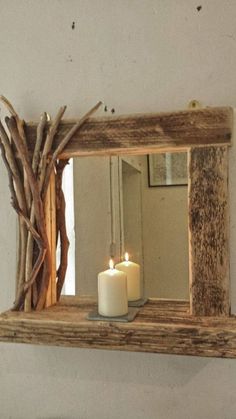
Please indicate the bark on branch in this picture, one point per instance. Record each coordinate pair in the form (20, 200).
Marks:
(28, 178)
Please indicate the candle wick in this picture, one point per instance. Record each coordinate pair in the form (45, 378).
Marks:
(126, 257)
(111, 264)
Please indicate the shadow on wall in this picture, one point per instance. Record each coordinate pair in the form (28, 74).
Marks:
(153, 370)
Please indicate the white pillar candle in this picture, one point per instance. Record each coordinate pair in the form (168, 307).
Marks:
(112, 292)
(133, 277)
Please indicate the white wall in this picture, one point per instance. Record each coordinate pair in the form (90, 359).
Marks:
(138, 56)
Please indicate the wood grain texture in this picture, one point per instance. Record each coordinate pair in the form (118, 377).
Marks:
(48, 223)
(50, 219)
(162, 326)
(145, 133)
(209, 231)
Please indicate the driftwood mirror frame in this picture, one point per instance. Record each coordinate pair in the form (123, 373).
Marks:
(203, 327)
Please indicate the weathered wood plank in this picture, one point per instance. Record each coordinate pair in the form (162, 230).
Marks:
(145, 133)
(209, 231)
(153, 330)
(50, 218)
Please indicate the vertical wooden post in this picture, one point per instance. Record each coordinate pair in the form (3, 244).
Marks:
(209, 231)
(50, 216)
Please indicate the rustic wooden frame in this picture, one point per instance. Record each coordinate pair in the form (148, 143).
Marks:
(205, 327)
(162, 326)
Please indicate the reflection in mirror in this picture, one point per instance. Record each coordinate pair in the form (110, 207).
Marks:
(134, 204)
(68, 189)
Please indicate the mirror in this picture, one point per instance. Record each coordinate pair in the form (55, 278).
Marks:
(134, 204)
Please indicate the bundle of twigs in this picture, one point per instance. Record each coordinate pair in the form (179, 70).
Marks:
(29, 178)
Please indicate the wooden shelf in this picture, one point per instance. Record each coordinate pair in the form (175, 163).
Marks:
(162, 326)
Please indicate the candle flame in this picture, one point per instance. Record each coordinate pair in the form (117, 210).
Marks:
(126, 256)
(111, 264)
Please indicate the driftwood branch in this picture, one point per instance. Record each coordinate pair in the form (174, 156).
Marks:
(28, 178)
(38, 144)
(30, 239)
(42, 252)
(61, 227)
(14, 168)
(20, 125)
(18, 190)
(14, 201)
(48, 146)
(37, 202)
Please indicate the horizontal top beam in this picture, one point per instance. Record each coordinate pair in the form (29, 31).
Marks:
(145, 133)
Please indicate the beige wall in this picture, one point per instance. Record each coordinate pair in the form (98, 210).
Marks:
(92, 221)
(165, 239)
(93, 231)
(138, 56)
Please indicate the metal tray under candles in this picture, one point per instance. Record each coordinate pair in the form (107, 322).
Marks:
(138, 303)
(129, 317)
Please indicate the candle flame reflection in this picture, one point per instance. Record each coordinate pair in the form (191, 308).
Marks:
(111, 264)
(126, 256)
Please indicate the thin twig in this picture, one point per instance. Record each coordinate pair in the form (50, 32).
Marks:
(63, 144)
(48, 145)
(38, 144)
(8, 105)
(10, 176)
(14, 168)
(20, 126)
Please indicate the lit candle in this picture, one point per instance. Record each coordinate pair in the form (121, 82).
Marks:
(133, 277)
(112, 292)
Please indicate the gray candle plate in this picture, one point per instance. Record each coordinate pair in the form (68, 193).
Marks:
(138, 303)
(94, 315)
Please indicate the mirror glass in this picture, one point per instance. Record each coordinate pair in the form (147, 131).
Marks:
(135, 204)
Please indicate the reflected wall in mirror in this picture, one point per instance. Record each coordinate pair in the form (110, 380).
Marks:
(167, 169)
(115, 210)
